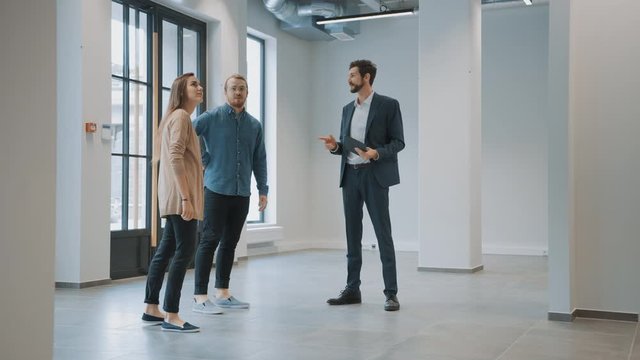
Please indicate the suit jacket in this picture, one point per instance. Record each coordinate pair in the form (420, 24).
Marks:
(383, 132)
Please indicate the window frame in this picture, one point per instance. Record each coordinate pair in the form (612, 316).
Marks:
(155, 15)
(263, 122)
(125, 155)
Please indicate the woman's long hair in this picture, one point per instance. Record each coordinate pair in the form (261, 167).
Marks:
(177, 99)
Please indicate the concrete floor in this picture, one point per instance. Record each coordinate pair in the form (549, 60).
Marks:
(498, 313)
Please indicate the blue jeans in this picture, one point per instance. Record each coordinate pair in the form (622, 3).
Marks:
(178, 241)
(224, 217)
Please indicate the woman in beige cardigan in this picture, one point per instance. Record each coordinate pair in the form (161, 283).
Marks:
(180, 200)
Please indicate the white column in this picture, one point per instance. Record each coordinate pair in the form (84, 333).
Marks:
(83, 181)
(561, 257)
(27, 177)
(449, 133)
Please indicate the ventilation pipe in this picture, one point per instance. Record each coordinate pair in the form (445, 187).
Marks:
(286, 11)
(299, 20)
(323, 9)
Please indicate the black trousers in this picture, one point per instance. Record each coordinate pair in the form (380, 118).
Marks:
(178, 241)
(360, 187)
(224, 217)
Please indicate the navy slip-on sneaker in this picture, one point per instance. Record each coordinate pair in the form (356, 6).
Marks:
(186, 328)
(150, 319)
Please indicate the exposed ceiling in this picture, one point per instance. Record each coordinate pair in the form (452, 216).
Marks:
(298, 16)
(366, 6)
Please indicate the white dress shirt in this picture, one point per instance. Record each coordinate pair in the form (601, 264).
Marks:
(359, 126)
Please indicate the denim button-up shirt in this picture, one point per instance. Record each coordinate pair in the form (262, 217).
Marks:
(234, 147)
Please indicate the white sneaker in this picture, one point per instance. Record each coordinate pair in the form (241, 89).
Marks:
(206, 307)
(231, 303)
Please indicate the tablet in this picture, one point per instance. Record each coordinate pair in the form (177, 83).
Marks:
(351, 144)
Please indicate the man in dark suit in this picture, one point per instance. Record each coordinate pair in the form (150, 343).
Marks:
(366, 175)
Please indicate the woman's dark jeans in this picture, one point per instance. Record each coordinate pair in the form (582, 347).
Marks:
(178, 241)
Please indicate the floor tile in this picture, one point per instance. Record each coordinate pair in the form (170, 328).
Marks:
(499, 312)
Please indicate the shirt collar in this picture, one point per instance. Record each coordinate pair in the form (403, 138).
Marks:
(229, 110)
(366, 101)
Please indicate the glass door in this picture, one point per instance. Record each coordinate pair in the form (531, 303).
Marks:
(143, 62)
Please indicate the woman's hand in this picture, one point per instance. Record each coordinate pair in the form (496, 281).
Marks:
(187, 210)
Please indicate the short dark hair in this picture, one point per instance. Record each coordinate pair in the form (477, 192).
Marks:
(365, 67)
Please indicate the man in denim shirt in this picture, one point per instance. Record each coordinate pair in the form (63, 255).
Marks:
(234, 148)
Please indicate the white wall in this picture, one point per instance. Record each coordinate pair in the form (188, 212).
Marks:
(69, 153)
(560, 220)
(605, 120)
(292, 74)
(514, 129)
(27, 175)
(450, 156)
(84, 162)
(392, 45)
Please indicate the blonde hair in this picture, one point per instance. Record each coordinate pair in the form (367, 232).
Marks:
(177, 99)
(235, 76)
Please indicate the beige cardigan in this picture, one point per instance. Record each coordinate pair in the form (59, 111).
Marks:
(179, 154)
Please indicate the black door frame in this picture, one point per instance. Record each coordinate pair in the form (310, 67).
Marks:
(131, 250)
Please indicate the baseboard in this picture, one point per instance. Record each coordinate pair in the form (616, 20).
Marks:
(452, 270)
(83, 285)
(592, 314)
(398, 245)
(605, 315)
(339, 244)
(310, 245)
(510, 250)
(402, 246)
(264, 248)
(556, 316)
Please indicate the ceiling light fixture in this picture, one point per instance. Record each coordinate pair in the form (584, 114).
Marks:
(528, 2)
(359, 17)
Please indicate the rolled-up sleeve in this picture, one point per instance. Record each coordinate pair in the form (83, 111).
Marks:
(260, 164)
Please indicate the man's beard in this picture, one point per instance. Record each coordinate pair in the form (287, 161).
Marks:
(356, 88)
(239, 102)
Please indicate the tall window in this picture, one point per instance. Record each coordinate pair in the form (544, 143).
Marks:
(150, 46)
(130, 116)
(181, 49)
(255, 107)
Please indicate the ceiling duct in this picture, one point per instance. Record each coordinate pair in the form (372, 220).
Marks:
(342, 32)
(299, 19)
(323, 9)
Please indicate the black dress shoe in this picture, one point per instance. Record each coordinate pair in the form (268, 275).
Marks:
(346, 297)
(392, 303)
